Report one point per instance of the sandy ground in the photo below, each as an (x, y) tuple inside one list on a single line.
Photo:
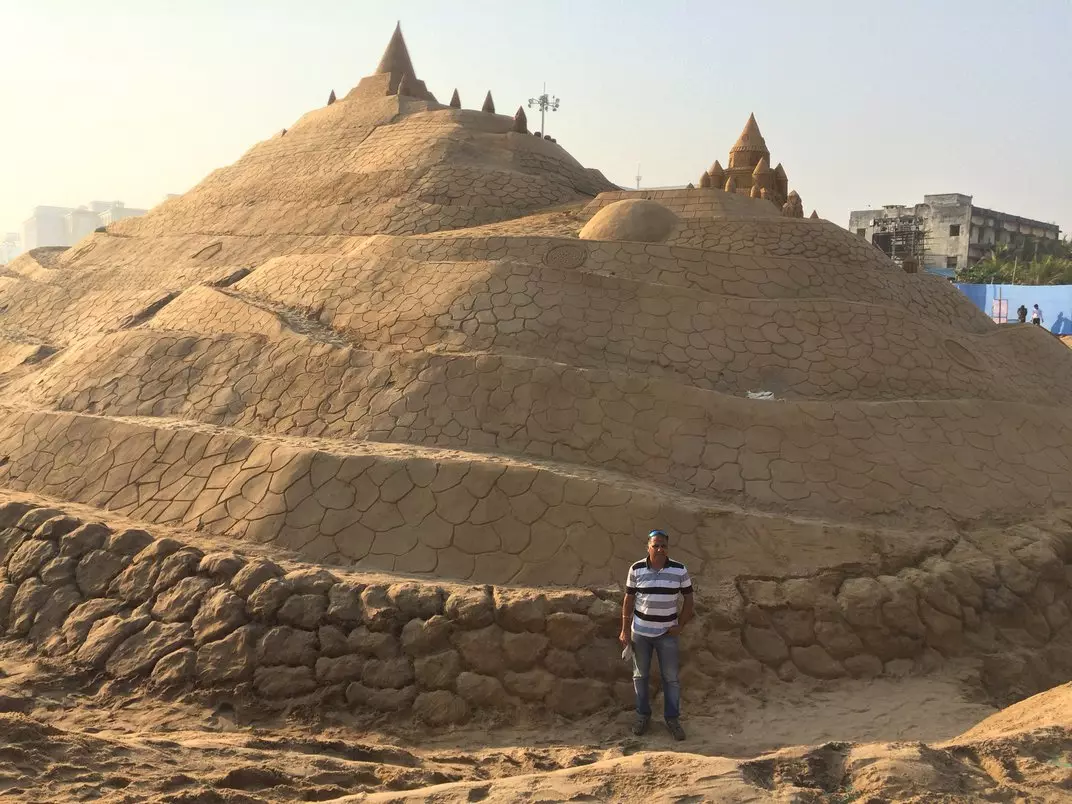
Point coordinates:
[(74, 739)]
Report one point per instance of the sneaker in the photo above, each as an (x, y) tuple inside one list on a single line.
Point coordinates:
[(673, 725), (640, 725)]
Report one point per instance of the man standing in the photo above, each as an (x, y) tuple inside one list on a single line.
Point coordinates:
[(1036, 316), (650, 621)]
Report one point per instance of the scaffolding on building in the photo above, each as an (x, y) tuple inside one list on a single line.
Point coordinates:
[(903, 239)]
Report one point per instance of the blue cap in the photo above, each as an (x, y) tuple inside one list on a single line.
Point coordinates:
[(655, 533)]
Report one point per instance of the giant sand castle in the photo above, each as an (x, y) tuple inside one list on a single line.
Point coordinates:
[(383, 411)]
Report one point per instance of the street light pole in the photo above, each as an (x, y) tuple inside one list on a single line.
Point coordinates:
[(545, 103)]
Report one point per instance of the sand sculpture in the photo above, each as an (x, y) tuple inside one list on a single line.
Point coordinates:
[(412, 338), (749, 171)]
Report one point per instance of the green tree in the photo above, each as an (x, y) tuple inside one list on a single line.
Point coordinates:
[(1025, 261)]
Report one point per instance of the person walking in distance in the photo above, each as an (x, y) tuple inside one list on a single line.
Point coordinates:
[(651, 624), (1036, 316), (1021, 314)]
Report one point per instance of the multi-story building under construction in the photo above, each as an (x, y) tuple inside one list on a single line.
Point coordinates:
[(946, 232)]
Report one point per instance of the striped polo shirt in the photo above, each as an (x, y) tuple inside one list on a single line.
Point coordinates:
[(655, 609)]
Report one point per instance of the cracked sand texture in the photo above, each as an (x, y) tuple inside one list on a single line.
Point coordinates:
[(378, 343)]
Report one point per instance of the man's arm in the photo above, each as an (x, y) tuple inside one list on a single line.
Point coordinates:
[(687, 605), (686, 610), (628, 602)]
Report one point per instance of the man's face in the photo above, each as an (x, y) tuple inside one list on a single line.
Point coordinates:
[(657, 546)]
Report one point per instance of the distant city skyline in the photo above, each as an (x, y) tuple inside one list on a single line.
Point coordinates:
[(865, 114), (54, 225), (65, 226)]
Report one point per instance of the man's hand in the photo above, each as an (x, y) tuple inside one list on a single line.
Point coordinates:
[(628, 602), (673, 630)]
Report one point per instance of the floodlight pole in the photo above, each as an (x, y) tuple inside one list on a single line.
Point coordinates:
[(545, 103)]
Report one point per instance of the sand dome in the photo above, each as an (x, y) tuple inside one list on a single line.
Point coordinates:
[(636, 219)]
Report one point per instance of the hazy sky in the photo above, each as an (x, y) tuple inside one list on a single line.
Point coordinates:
[(103, 101)]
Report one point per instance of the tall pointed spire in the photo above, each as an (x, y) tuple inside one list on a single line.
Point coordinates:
[(395, 59), (394, 65), (455, 101), (489, 104), (331, 98), (521, 121), (750, 146)]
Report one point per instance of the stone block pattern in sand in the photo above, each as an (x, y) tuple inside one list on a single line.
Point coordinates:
[(181, 475), (126, 604)]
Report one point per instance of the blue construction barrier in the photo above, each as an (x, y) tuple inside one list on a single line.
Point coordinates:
[(1054, 300)]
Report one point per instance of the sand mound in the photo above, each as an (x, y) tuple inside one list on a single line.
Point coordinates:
[(373, 430), (634, 219), (1052, 708), (282, 358)]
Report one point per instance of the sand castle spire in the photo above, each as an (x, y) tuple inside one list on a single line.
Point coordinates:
[(763, 177), (331, 98), (718, 175), (489, 104), (705, 179), (395, 64), (781, 181), (521, 121), (793, 207), (750, 146), (455, 100), (395, 60)]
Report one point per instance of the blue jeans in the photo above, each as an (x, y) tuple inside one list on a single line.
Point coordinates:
[(666, 648)]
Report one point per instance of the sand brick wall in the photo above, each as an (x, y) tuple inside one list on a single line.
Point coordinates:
[(135, 607)]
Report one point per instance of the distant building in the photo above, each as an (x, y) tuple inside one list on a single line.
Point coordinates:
[(64, 226), (47, 226), (946, 232), (80, 223), (10, 247), (117, 211)]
